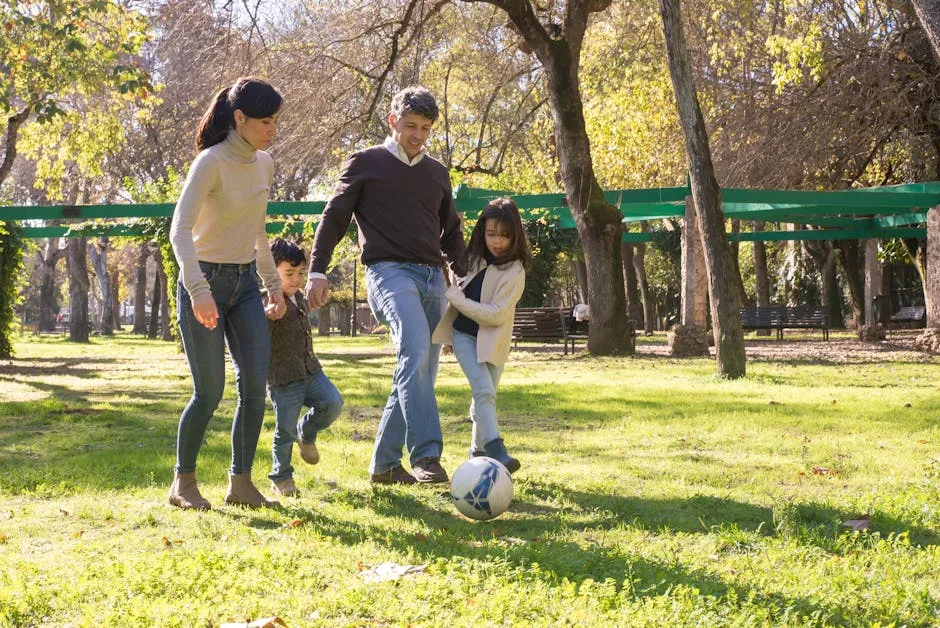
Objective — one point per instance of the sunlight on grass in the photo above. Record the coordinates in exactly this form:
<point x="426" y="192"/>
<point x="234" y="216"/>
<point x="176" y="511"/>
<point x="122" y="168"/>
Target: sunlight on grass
<point x="651" y="494"/>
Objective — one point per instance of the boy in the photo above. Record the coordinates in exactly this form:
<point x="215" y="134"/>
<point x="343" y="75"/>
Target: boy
<point x="296" y="378"/>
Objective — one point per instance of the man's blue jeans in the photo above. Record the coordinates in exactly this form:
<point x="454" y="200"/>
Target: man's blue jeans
<point x="324" y="402"/>
<point x="409" y="299"/>
<point x="244" y="328"/>
<point x="484" y="382"/>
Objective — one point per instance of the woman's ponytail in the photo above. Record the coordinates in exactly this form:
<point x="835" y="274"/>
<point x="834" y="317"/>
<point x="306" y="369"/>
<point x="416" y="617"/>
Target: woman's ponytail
<point x="215" y="123"/>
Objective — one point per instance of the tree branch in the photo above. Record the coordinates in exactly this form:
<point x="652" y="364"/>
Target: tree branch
<point x="14" y="123"/>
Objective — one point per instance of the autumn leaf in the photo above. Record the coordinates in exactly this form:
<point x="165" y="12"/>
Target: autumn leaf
<point x="421" y="537"/>
<point x="267" y="622"/>
<point x="857" y="525"/>
<point x="78" y="534"/>
<point x="821" y="471"/>
<point x="296" y="523"/>
<point x="166" y="542"/>
<point x="923" y="441"/>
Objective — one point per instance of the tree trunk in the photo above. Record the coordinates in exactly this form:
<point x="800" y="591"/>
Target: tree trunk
<point x="761" y="278"/>
<point x="579" y="268"/>
<point x="140" y="291"/>
<point x="323" y="321"/>
<point x="48" y="308"/>
<point x="76" y="265"/>
<point x="631" y="289"/>
<point x="116" y="299"/>
<point x="166" y="331"/>
<point x="853" y="271"/>
<point x="824" y="256"/>
<point x="649" y="308"/>
<point x="599" y="223"/>
<point x="155" y="298"/>
<point x="928" y="12"/>
<point x="735" y="248"/>
<point x="725" y="307"/>
<point x="99" y="260"/>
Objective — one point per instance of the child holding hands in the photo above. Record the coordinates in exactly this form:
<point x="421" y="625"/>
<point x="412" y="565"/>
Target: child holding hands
<point x="478" y="321"/>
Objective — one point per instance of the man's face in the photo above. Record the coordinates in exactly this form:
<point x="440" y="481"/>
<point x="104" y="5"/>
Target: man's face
<point x="411" y="131"/>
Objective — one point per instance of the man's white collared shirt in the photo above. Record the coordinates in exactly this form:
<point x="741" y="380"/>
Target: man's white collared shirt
<point x="396" y="149"/>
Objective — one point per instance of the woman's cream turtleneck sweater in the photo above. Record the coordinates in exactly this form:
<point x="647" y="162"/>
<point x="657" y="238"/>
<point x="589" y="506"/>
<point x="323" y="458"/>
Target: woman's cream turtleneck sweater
<point x="220" y="213"/>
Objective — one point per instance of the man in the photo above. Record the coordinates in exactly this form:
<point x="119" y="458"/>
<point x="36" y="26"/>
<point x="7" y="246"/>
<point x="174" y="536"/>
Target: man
<point x="405" y="213"/>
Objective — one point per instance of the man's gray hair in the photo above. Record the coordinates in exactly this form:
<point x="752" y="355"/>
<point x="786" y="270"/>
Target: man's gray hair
<point x="415" y="99"/>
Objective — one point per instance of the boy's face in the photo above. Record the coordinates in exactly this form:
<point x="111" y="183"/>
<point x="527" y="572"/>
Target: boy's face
<point x="292" y="278"/>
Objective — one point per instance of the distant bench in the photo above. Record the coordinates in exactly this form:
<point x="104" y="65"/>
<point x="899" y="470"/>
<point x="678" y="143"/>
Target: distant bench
<point x="548" y="324"/>
<point x="780" y="317"/>
<point x="911" y="316"/>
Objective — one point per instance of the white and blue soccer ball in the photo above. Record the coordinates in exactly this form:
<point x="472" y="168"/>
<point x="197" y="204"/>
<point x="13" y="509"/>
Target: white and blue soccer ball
<point x="481" y="488"/>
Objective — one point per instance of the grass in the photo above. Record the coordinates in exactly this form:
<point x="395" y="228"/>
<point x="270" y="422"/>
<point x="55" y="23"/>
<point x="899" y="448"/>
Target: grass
<point x="651" y="494"/>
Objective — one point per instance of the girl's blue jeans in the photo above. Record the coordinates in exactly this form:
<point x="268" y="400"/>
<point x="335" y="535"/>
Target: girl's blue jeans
<point x="484" y="381"/>
<point x="243" y="328"/>
<point x="324" y="402"/>
<point x="409" y="299"/>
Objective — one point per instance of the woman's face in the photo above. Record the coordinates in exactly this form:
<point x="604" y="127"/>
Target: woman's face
<point x="259" y="132"/>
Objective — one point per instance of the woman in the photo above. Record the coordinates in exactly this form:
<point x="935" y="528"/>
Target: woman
<point x="220" y="243"/>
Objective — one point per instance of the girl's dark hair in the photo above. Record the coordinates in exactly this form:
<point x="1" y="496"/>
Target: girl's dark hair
<point x="286" y="251"/>
<point x="254" y="96"/>
<point x="504" y="211"/>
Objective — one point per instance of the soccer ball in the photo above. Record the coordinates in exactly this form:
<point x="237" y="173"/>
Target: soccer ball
<point x="481" y="488"/>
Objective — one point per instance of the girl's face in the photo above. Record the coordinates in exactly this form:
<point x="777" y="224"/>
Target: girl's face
<point x="259" y="132"/>
<point x="498" y="239"/>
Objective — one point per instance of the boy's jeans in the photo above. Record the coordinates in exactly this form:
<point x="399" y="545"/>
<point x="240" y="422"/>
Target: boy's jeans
<point x="484" y="381"/>
<point x="244" y="328"/>
<point x="317" y="393"/>
<point x="409" y="299"/>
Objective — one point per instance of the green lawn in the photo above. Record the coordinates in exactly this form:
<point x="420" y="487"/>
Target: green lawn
<point x="651" y="494"/>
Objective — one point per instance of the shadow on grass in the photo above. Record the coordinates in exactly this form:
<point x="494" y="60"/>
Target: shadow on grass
<point x="527" y="546"/>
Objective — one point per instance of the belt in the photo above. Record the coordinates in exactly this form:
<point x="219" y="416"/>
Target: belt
<point x="227" y="266"/>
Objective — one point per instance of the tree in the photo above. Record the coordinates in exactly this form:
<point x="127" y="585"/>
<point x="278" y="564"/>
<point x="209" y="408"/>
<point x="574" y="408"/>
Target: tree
<point x="725" y="308"/>
<point x="556" y="37"/>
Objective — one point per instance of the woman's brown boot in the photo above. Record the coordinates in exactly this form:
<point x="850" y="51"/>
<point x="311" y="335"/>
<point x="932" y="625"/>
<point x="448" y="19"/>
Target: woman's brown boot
<point x="242" y="492"/>
<point x="185" y="494"/>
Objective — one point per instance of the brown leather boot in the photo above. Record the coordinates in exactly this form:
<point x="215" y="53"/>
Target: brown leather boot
<point x="242" y="492"/>
<point x="185" y="494"/>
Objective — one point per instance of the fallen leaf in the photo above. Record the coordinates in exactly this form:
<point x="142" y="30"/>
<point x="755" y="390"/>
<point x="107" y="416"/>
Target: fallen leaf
<point x="907" y="405"/>
<point x="774" y="403"/>
<point x="511" y="540"/>
<point x="923" y="441"/>
<point x="78" y="534"/>
<point x="3" y="538"/>
<point x="833" y="402"/>
<point x="357" y="436"/>
<point x="390" y="571"/>
<point x="167" y="542"/>
<point x="857" y="525"/>
<point x="421" y="537"/>
<point x="65" y="513"/>
<point x="267" y="622"/>
<point x="296" y="523"/>
<point x="821" y="471"/>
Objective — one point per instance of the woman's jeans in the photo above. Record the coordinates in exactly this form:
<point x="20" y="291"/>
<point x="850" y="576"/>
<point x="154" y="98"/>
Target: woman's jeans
<point x="409" y="299"/>
<point x="317" y="393"/>
<point x="484" y="381"/>
<point x="243" y="327"/>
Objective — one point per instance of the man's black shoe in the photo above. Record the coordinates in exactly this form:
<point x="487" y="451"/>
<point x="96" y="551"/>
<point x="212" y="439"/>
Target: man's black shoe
<point x="395" y="475"/>
<point x="429" y="471"/>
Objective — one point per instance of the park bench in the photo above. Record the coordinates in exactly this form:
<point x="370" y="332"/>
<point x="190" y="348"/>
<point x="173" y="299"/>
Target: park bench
<point x="548" y="324"/>
<point x="543" y="324"/>
<point x="910" y="316"/>
<point x="780" y="317"/>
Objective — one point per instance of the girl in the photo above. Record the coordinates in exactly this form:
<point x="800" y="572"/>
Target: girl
<point x="220" y="243"/>
<point x="478" y="321"/>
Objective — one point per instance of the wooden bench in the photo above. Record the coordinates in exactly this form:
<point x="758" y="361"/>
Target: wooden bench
<point x="911" y="316"/>
<point x="780" y="317"/>
<point x="543" y="324"/>
<point x="548" y="324"/>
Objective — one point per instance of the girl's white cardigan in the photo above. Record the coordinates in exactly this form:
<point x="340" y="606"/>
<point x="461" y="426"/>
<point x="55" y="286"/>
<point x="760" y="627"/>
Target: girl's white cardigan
<point x="502" y="289"/>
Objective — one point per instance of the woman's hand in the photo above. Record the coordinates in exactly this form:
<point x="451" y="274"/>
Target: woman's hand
<point x="454" y="293"/>
<point x="205" y="311"/>
<point x="276" y="306"/>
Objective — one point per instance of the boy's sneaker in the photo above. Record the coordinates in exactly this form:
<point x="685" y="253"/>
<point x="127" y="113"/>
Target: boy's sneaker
<point x="429" y="471"/>
<point x="308" y="451"/>
<point x="286" y="488"/>
<point x="395" y="475"/>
